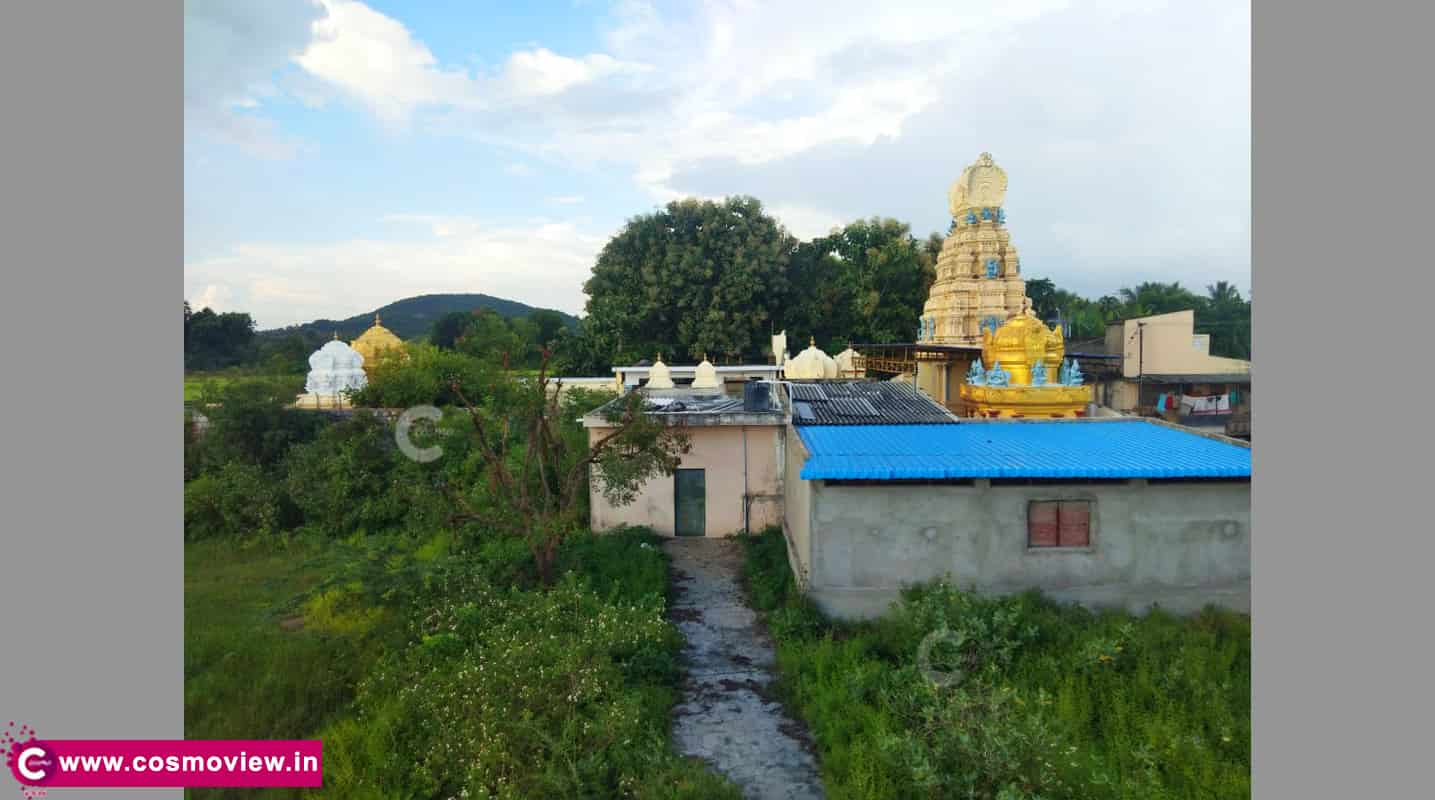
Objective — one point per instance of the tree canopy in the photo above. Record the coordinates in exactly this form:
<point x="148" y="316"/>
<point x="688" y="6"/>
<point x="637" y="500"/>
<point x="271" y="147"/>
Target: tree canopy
<point x="866" y="282"/>
<point x="695" y="277"/>
<point x="216" y="341"/>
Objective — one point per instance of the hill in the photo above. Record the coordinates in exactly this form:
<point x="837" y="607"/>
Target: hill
<point x="411" y="317"/>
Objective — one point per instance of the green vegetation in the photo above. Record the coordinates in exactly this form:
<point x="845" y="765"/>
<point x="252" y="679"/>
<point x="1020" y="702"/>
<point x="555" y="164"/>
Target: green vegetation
<point x="719" y="277"/>
<point x="428" y="673"/>
<point x="1033" y="700"/>
<point x="1222" y="312"/>
<point x="446" y="627"/>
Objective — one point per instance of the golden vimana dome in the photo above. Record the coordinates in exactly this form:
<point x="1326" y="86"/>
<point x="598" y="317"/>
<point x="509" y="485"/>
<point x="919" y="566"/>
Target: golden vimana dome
<point x="1020" y="343"/>
<point x="374" y="342"/>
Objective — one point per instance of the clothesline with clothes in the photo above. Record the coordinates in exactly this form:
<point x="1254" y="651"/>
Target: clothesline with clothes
<point x="1194" y="405"/>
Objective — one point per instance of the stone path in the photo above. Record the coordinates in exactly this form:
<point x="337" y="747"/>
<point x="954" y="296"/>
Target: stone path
<point x="727" y="716"/>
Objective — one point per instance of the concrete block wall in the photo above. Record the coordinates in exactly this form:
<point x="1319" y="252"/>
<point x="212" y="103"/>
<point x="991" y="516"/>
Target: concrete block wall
<point x="1181" y="545"/>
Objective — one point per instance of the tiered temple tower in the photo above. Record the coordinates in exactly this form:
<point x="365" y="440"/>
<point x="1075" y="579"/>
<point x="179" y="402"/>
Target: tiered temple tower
<point x="979" y="280"/>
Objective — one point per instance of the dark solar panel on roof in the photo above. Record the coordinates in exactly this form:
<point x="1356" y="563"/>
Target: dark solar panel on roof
<point x="853" y="407"/>
<point x="865" y="402"/>
<point x="808" y="392"/>
<point x="804" y="411"/>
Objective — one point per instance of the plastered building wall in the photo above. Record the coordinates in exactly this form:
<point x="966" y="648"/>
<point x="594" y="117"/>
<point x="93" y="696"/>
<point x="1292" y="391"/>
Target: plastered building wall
<point x="1167" y="344"/>
<point x="719" y="450"/>
<point x="1181" y="545"/>
<point x="797" y="512"/>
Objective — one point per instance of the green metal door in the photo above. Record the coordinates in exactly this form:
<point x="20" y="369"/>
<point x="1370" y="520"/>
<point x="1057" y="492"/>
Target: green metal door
<point x="690" y="503"/>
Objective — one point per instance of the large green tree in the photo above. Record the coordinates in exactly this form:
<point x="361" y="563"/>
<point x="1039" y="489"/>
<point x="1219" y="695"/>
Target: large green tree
<point x="216" y="341"/>
<point x="695" y="277"/>
<point x="864" y="283"/>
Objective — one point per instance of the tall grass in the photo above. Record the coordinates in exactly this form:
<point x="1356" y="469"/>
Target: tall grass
<point x="1052" y="701"/>
<point x="429" y="674"/>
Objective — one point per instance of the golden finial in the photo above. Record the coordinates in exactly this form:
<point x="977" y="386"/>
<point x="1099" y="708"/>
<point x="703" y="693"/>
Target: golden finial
<point x="660" y="355"/>
<point x="336" y="334"/>
<point x="376" y="318"/>
<point x="812" y="341"/>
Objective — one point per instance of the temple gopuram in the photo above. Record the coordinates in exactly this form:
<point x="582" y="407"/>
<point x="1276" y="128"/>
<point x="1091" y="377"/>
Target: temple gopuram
<point x="978" y="284"/>
<point x="979" y="280"/>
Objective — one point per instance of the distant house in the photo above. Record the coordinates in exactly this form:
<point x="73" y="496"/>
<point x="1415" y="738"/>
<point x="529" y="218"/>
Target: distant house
<point x="1167" y="368"/>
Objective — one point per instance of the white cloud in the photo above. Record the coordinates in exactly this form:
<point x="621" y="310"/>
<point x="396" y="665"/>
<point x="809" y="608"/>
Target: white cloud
<point x="375" y="60"/>
<point x="544" y="264"/>
<point x="805" y="222"/>
<point x="212" y="296"/>
<point x="231" y="55"/>
<point x="1124" y="125"/>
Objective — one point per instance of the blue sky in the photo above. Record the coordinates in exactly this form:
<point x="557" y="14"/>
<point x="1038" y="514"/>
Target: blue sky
<point x="340" y="155"/>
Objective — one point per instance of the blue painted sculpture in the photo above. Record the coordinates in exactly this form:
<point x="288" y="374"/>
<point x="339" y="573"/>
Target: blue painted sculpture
<point x="1038" y="373"/>
<point x="971" y="218"/>
<point x="977" y="376"/>
<point x="992" y="267"/>
<point x="987" y="214"/>
<point x="1073" y="374"/>
<point x="1001" y="215"/>
<point x="996" y="376"/>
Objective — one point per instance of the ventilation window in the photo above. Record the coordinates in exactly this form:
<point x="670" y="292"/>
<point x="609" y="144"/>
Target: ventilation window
<point x="1058" y="523"/>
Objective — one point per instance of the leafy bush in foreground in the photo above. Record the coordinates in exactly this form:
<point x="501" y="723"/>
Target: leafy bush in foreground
<point x="507" y="693"/>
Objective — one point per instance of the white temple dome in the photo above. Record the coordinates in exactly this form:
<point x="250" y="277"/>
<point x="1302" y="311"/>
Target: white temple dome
<point x="705" y="376"/>
<point x="335" y="368"/>
<point x="847" y="363"/>
<point x="659" y="376"/>
<point x="810" y="364"/>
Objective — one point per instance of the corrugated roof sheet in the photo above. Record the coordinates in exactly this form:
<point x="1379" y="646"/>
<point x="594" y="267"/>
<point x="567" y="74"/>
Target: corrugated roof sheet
<point x="859" y="402"/>
<point x="1044" y="449"/>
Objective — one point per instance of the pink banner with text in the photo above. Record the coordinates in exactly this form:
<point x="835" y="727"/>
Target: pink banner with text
<point x="167" y="763"/>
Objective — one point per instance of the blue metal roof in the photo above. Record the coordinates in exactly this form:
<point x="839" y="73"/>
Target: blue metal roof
<point x="1038" y="449"/>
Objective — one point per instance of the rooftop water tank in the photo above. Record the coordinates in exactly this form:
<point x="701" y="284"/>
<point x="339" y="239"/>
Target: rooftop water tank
<point x="757" y="396"/>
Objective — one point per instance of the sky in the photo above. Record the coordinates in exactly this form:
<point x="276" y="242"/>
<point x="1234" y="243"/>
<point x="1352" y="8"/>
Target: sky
<point x="341" y="155"/>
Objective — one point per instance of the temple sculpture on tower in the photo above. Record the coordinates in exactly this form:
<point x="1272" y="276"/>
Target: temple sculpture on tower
<point x="1023" y="372"/>
<point x="979" y="280"/>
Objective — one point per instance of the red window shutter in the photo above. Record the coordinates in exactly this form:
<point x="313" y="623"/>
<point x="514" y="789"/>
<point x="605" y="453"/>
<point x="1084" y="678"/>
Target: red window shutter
<point x="1041" y="524"/>
<point x="1075" y="524"/>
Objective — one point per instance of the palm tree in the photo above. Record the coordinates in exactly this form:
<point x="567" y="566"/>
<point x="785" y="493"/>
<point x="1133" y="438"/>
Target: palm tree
<point x="1223" y="293"/>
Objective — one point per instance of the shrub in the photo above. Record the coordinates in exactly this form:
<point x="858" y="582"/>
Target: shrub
<point x="506" y="693"/>
<point x="240" y="500"/>
<point x="1053" y="701"/>
<point x="424" y="378"/>
<point x="352" y="478"/>
<point x="249" y="423"/>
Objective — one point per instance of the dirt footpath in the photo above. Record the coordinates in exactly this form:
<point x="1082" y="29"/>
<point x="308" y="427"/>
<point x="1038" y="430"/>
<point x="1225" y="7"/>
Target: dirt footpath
<point x="727" y="716"/>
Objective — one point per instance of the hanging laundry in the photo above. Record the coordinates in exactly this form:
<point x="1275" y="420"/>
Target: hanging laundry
<point x="1213" y="404"/>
